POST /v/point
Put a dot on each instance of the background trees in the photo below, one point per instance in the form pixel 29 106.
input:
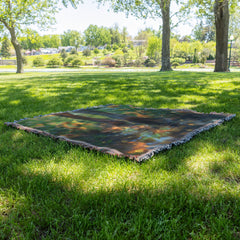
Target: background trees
pixel 144 9
pixel 15 15
pixel 5 49
pixel 220 11
pixel 97 36
pixel 72 38
pixel 210 13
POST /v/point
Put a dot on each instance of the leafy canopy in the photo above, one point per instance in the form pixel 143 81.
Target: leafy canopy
pixel 21 13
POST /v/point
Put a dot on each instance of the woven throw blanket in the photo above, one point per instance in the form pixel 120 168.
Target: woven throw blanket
pixel 123 130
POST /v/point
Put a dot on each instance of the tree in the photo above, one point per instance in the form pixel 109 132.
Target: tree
pixel 5 50
pixel 51 41
pixel 124 35
pixel 97 36
pixel 154 48
pixel 31 41
pixel 144 35
pixel 72 38
pixel 234 25
pixel 205 32
pixel 144 9
pixel 15 15
pixel 115 35
pixel 221 10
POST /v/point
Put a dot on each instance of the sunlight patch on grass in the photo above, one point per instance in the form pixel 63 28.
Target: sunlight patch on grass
pixel 50 189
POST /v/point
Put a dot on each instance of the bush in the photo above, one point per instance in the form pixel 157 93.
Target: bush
pixel 24 60
pixel 86 52
pixel 109 48
pixel 38 62
pixel 138 62
pixel 54 62
pixel 63 54
pixel 175 64
pixel 97 62
pixel 109 61
pixel 178 60
pixel 126 59
pixel 115 46
pixel 105 52
pixel 74 51
pixel 76 62
pixel 73 61
pixel 125 50
pixel 68 60
pixel 96 50
pixel 150 62
pixel 119 60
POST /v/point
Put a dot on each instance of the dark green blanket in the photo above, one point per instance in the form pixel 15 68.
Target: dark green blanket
pixel 123 130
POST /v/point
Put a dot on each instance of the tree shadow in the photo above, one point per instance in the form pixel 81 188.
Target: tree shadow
pixel 162 198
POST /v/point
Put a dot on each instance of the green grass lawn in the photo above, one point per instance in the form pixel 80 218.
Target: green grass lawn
pixel 52 190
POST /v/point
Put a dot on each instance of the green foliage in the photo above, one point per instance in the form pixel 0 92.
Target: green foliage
pixel 150 62
pixel 205 33
pixel 5 49
pixel 115 35
pixel 234 25
pixel 119 60
pixel 109 62
pixel 17 14
pixel 73 61
pixel 54 62
pixel 109 47
pixel 77 62
pixel 53 190
pixel 31 40
pixel 125 50
pixel 24 60
pixel 68 60
pixel 178 60
pixel 74 51
pixel 145 35
pixel 138 62
pixel 105 51
pixel 118 52
pixel 86 52
pixel 175 64
pixel 38 62
pixel 97 36
pixel 71 38
pixel 96 50
pixel 192 50
pixel 97 62
pixel 154 48
pixel 63 54
pixel 51 41
pixel 115 47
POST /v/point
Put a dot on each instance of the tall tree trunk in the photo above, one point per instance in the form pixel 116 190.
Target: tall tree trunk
pixel 17 48
pixel 165 8
pixel 221 12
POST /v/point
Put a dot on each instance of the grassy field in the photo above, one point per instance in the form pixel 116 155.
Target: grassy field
pixel 52 190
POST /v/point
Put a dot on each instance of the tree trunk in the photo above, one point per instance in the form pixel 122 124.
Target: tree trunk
pixel 165 8
pixel 17 48
pixel 221 12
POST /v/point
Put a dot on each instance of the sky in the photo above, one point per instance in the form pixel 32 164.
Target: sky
pixel 88 13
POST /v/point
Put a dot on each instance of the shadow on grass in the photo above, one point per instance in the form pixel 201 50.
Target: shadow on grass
pixel 48 207
pixel 110 198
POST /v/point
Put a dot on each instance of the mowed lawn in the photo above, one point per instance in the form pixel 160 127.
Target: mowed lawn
pixel 52 190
